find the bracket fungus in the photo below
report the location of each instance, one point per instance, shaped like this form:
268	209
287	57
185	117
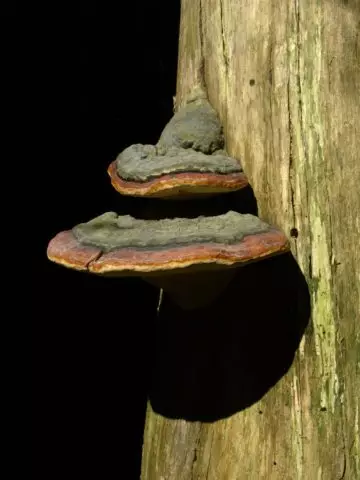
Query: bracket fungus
191	259
170	253
148	170
188	159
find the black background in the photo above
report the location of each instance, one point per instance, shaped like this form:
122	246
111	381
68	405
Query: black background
103	80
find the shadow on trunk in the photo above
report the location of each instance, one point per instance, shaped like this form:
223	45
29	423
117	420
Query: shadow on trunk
213	362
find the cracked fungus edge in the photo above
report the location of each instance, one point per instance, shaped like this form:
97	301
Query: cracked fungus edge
64	249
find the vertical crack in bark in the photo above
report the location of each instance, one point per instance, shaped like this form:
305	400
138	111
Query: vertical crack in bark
224	54
343	435
298	418
291	126
271	62
202	61
344	468
291	153
300	96
310	267
195	456
298	77
208	466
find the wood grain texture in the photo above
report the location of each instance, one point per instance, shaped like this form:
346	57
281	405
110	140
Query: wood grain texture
284	77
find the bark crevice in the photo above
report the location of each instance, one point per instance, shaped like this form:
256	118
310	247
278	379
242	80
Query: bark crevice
202	55
224	53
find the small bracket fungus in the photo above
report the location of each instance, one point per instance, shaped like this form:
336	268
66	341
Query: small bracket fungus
168	252
148	170
187	161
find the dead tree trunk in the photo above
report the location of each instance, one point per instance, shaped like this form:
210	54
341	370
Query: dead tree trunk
284	77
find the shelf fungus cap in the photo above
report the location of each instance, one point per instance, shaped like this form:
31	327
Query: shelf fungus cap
157	171
188	160
168	252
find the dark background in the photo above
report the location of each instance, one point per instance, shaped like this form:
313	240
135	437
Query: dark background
104	80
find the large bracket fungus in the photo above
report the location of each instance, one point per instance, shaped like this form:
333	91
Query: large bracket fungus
171	252
188	160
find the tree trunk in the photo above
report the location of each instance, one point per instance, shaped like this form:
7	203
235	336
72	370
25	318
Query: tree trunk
284	77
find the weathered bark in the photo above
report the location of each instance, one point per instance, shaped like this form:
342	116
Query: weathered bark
284	77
